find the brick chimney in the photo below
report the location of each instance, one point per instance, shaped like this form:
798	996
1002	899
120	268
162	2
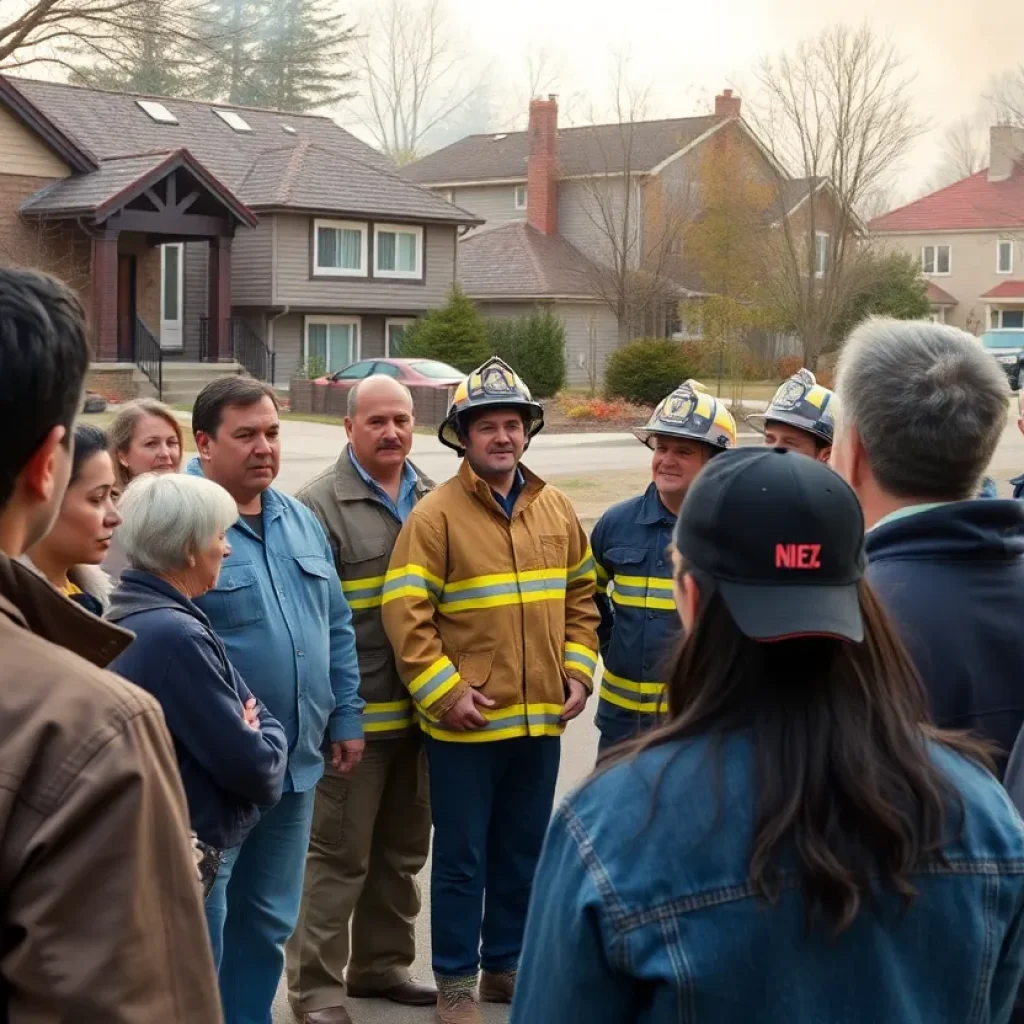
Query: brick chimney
542	166
1006	145
727	105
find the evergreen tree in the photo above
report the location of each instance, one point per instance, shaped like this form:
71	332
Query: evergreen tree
300	58
232	32
455	334
153	57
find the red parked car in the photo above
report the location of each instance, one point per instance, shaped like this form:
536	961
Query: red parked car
421	373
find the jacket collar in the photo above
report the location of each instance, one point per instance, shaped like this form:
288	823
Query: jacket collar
141	591
480	489
350	486
652	510
29	601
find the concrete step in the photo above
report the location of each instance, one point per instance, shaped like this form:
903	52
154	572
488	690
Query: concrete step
183	381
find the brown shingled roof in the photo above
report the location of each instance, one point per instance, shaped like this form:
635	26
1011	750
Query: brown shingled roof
516	261
590	149
335	167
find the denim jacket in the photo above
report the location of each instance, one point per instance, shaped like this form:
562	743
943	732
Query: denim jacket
287	627
642	911
638	614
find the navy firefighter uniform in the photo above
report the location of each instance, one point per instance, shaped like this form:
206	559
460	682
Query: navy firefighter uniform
630	542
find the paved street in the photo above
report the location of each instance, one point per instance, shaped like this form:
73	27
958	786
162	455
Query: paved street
308	447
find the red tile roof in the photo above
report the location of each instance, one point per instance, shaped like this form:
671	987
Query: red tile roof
939	296
1006	290
973	204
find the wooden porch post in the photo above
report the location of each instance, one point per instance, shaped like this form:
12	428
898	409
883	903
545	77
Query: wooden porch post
220	300
104	297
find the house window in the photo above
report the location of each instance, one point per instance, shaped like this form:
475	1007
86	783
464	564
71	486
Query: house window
520	197
331	341
1009	319
936	259
399	251
340	248
394	336
172	259
1004	256
449	195
820	253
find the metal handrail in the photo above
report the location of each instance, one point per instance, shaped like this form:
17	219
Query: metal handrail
148	355
247	348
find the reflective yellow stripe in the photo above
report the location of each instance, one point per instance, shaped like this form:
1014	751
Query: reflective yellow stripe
363	593
387	716
581	658
411	581
584	569
507	588
646	582
503	724
649	698
661	604
366	583
430	686
651	592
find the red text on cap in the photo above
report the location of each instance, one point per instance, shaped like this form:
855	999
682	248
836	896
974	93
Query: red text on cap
797	556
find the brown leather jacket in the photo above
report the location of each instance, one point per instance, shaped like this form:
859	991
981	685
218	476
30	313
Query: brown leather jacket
102	917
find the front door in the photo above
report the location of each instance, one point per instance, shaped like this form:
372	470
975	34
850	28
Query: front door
125	308
172	273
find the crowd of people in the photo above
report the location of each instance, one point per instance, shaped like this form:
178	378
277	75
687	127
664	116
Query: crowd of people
231	718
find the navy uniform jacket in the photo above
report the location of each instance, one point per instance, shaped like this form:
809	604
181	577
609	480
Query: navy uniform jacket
639	624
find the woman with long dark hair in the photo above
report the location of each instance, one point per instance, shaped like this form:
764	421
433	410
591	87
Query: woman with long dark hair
794	843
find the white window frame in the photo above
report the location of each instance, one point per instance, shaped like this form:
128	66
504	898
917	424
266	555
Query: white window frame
329	319
1008	242
820	253
1002	313
394	321
936	272
172	339
516	192
405	229
341	225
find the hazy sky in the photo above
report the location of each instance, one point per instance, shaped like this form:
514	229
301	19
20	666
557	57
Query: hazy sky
689	51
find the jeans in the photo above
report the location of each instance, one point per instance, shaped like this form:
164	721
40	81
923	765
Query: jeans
252	908
491	804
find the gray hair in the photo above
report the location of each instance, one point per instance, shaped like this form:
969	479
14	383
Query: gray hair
168	517
928	402
353	392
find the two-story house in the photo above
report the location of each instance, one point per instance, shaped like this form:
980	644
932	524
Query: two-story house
563	205
205	239
969	238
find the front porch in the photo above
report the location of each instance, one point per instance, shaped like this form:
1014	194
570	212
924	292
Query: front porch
142	212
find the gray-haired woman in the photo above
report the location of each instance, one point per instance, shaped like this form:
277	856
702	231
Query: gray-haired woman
232	754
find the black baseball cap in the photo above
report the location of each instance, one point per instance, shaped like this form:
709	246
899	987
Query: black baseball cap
782	536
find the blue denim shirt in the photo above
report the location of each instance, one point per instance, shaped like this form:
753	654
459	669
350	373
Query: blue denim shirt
287	627
406	492
642	911
639	624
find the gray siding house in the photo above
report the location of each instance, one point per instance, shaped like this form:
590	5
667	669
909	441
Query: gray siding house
328	255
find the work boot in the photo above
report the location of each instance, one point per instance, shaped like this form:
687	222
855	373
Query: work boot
497	986
456	1000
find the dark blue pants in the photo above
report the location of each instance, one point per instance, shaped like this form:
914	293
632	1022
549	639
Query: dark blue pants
491	804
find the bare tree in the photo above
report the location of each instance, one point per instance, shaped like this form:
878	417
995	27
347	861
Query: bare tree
638	223
963	151
49	31
413	75
836	114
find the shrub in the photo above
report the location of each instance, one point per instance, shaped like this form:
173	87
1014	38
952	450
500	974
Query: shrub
455	334
644	372
597	409
787	366
534	346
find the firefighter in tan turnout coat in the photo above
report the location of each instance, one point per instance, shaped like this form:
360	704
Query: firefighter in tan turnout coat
489	604
371	829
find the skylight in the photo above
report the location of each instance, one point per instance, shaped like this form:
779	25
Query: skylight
233	120
498	138
157	111
289	129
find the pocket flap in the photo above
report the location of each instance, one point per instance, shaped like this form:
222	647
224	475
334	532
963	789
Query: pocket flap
315	565
235	577
362	550
475	667
624	556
